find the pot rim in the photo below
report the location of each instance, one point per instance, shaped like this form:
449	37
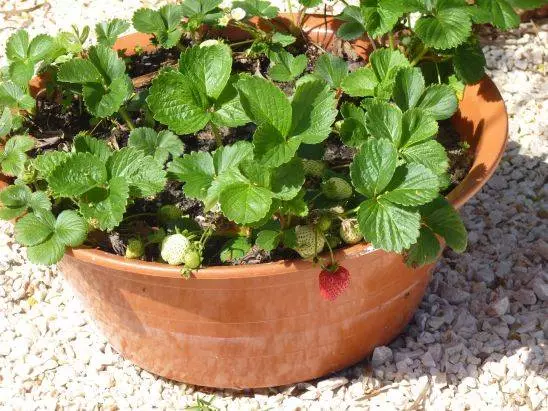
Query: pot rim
457	197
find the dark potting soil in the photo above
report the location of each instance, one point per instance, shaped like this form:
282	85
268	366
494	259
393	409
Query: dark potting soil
55	126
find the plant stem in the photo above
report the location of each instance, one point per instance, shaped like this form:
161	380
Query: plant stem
217	134
391	39
125	116
418	58
241	43
131	217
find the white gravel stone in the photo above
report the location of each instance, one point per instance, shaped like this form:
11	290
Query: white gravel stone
476	342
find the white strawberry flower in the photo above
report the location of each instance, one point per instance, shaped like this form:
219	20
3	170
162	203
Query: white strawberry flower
237	14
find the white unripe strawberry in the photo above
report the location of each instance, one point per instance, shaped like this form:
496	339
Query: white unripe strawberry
174	248
135	248
309	241
350	231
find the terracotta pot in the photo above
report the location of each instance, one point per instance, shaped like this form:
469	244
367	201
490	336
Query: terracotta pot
266	325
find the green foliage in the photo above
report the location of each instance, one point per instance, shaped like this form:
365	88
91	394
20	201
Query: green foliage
17	199
286	67
201	12
235	249
159	145
202	89
104	82
108	32
47	237
164	24
259	8
13	156
332	69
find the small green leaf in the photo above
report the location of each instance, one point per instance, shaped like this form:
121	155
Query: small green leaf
310	3
373	166
386	63
14	157
77	174
271	148
245	203
429	153
502	14
235	249
259	8
6	122
202	11
286	67
12	95
469	62
163	23
412	185
447	28
288	179
104	208
18	198
228	110
49	252
388	226
158	145
177	104
408	87
384	120
70	228
268	240
263	102
439	101
84	143
207	67
21	72
354	23
196	170
34	228
425	250
443	219
417	126
17	46
78	71
40	47
47	162
381	15
108	31
229	157
103	103
360	83
332	69
283	39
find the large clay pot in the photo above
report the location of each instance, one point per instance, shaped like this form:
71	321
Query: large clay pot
266	325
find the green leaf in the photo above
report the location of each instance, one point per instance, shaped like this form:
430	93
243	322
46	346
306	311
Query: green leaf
104	208
229	157
386	63
271	148
245	203
17	46
203	11
158	145
527	4
108	31
77	174
6	122
443	219
259	8
412	185
47	162
388	226
268	240
502	14
70	228
107	62
196	170
297	206
235	249
286	67
314	109
310	3
207	67
469	62
381	15
447	28
40	47
425	250
228	110
332	69
34	228
283	39
13	157
354	23
263	102
353	131
408	87
18	198
12	95
84	143
439	101
103	103
384	120
176	103
78	71
360	83
417	126
163	23
373	166
429	153
49	252
288	179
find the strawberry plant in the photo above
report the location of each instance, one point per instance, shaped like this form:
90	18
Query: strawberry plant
252	150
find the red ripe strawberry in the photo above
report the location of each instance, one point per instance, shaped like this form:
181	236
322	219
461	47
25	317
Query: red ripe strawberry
333	281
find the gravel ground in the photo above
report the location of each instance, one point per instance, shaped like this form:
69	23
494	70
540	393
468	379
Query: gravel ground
478	339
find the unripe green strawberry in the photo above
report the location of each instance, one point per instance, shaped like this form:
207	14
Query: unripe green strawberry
333	240
350	232
174	248
324	223
192	259
309	241
314	168
169	213
336	189
135	248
